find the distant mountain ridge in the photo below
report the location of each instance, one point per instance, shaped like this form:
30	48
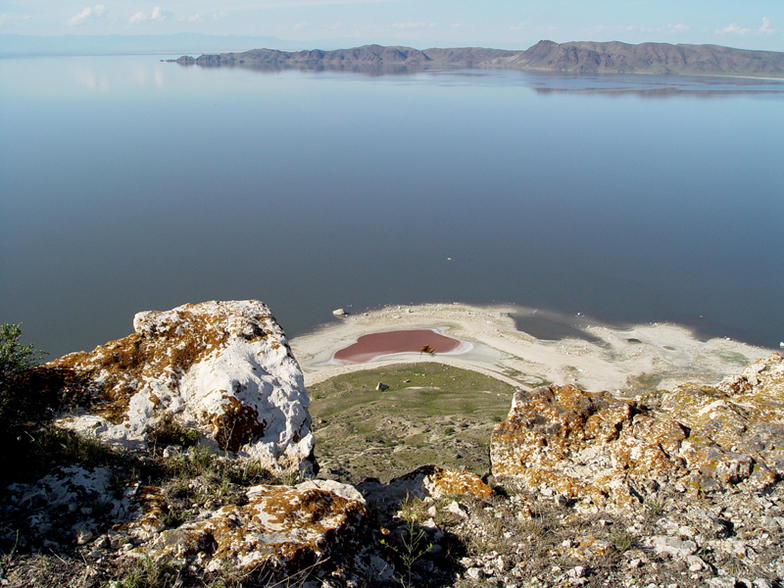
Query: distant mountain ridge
582	57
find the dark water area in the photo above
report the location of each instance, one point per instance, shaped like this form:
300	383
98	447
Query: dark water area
553	326
127	184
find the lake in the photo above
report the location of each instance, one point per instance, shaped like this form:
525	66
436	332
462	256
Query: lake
129	184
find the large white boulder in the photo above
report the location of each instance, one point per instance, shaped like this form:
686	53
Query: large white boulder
224	369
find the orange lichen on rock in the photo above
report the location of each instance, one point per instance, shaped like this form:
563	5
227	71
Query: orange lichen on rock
288	527
601	451
443	482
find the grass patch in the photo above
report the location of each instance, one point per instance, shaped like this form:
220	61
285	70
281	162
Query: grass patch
431	413
75	447
166	431
146	573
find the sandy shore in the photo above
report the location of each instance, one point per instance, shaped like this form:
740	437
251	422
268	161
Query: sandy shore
620	360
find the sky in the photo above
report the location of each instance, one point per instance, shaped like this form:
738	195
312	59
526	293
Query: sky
751	24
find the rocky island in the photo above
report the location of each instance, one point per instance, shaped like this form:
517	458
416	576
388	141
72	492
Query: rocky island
580	57
186	454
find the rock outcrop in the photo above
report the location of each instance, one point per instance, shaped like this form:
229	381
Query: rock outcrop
223	369
284	527
604	453
673	487
425	482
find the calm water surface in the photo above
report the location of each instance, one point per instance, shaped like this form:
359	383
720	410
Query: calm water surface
128	184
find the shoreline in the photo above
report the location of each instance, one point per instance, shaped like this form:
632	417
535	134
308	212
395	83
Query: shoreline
620	360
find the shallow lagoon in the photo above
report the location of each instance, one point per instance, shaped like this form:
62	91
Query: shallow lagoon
130	184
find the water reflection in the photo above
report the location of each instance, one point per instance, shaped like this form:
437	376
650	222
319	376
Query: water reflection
544	84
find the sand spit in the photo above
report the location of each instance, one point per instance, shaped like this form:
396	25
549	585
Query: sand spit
643	357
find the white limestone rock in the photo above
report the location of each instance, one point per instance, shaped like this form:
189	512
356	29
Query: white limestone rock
222	368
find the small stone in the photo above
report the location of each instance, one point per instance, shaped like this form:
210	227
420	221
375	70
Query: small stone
457	509
84	536
724	582
339	312
695	563
103	542
762	583
576	572
171	451
475	573
381	387
675	547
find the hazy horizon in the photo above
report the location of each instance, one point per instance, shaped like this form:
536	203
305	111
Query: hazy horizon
756	24
195	44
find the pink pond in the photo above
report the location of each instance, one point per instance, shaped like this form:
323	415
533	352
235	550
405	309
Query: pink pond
375	345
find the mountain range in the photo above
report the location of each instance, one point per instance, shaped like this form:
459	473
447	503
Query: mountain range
582	57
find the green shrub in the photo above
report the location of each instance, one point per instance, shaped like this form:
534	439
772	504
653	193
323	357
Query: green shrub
16	361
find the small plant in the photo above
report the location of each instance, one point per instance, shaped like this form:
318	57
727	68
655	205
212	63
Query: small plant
166	431
290	478
449	431
249	471
78	447
623	540
197	461
655	507
411	546
147	573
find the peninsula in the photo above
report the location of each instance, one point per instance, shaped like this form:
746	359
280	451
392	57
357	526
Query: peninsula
583	57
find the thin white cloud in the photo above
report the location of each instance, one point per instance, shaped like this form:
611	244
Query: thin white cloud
87	14
195	18
733	29
4	18
679	27
299	3
157	14
766	28
408	25
518	27
219	15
